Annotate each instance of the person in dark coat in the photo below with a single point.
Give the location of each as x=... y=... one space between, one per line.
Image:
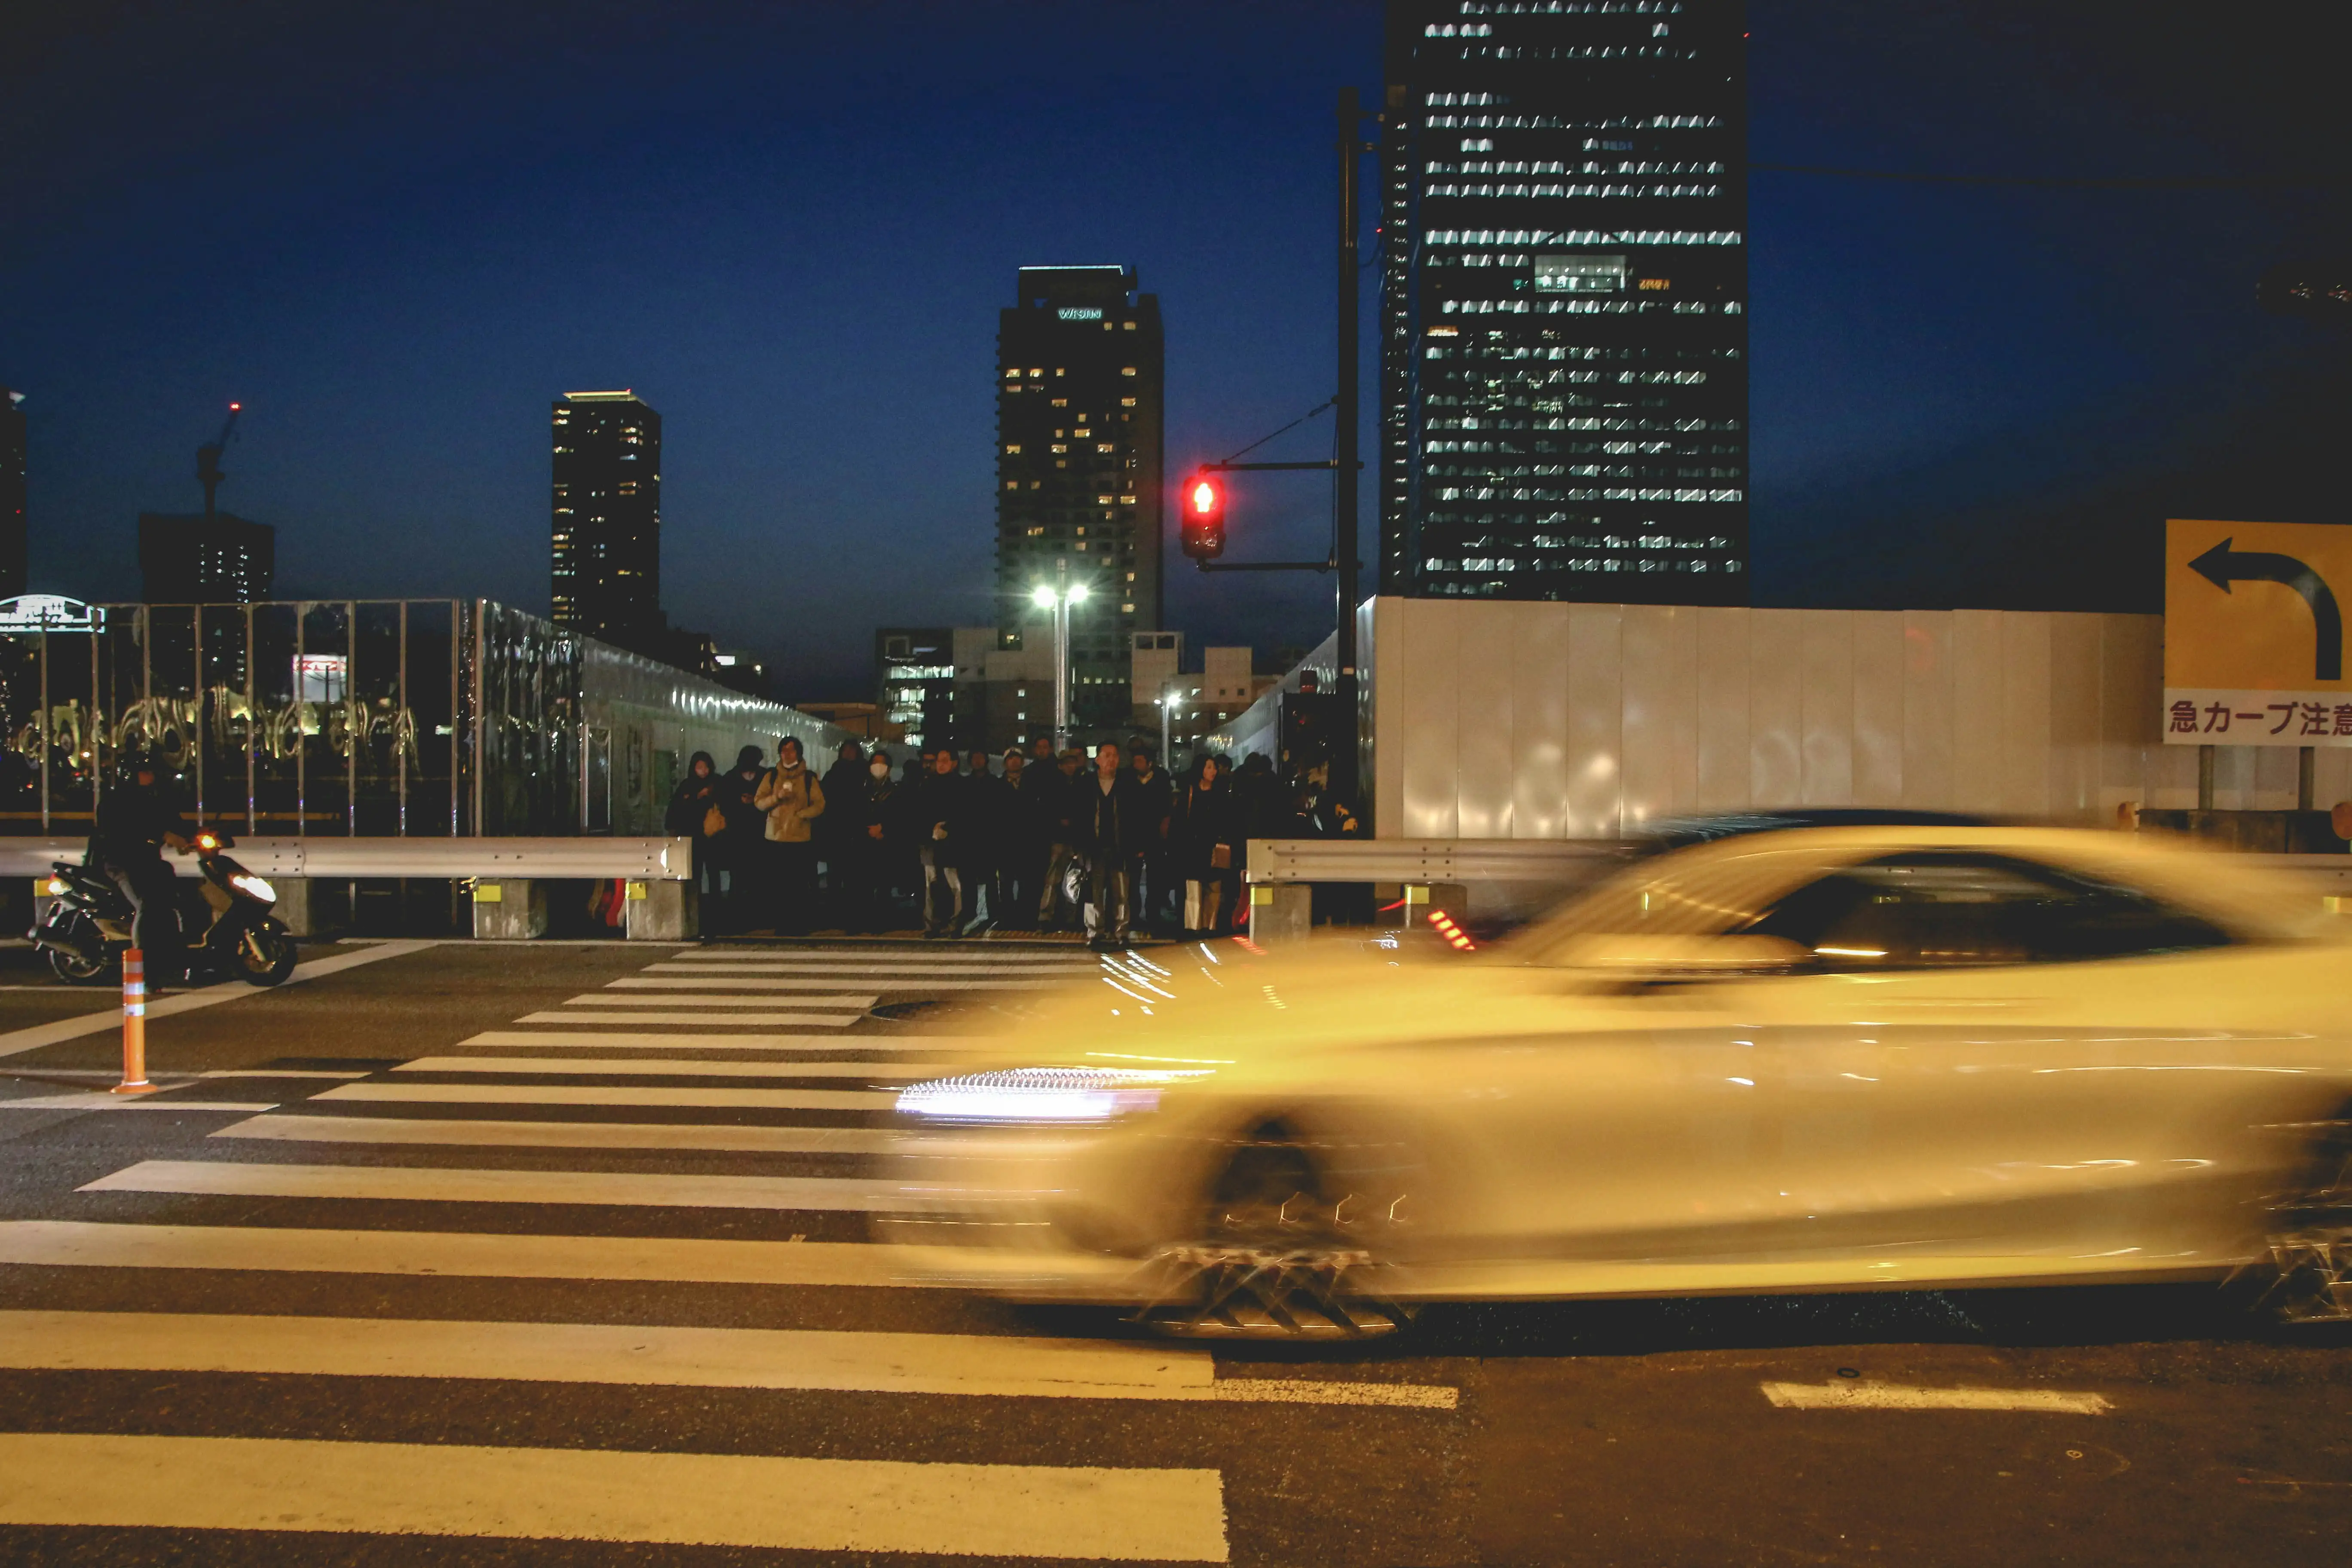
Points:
x=989 y=803
x=842 y=844
x=1020 y=853
x=937 y=817
x=689 y=816
x=739 y=848
x=1209 y=837
x=1110 y=833
x=885 y=846
x=1158 y=804
x=1057 y=801
x=136 y=821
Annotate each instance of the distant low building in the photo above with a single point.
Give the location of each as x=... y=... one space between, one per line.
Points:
x=188 y=558
x=863 y=719
x=741 y=672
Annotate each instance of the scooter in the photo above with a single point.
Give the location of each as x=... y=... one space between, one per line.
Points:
x=87 y=928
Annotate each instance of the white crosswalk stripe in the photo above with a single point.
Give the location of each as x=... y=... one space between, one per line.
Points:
x=778 y=1038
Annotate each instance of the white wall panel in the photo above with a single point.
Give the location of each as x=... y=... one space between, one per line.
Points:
x=1483 y=748
x=1776 y=707
x=2075 y=651
x=1431 y=677
x=1595 y=719
x=2025 y=714
x=1682 y=725
x=1657 y=703
x=1928 y=723
x=1825 y=742
x=1877 y=707
x=1976 y=700
x=1724 y=659
x=1538 y=720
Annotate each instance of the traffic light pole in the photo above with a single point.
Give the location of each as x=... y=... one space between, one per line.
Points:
x=1344 y=763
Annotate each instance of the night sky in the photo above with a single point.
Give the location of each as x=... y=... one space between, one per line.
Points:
x=396 y=231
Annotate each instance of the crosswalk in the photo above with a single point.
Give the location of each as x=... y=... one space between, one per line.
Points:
x=634 y=1159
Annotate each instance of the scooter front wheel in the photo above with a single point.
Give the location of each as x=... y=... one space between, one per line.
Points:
x=265 y=955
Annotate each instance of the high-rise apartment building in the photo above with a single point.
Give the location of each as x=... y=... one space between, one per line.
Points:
x=1078 y=490
x=607 y=532
x=1564 y=365
x=14 y=445
x=188 y=558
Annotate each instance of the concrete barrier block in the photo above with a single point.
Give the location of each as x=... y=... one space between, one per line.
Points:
x=510 y=907
x=1281 y=911
x=663 y=911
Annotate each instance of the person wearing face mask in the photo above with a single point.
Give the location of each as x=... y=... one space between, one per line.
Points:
x=882 y=846
x=793 y=799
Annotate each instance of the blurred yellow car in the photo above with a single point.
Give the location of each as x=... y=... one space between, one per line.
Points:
x=1829 y=1058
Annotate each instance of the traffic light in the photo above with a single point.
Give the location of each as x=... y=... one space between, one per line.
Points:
x=1204 y=517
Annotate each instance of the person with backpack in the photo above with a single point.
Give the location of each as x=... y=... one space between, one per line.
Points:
x=790 y=799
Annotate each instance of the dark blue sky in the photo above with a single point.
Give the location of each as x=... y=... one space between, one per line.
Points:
x=396 y=231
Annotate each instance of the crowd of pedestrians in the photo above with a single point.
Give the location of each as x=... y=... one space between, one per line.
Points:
x=1105 y=844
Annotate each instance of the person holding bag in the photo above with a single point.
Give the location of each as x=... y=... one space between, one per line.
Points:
x=695 y=813
x=1208 y=841
x=793 y=799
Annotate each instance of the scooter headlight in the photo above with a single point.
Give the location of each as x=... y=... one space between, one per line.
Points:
x=56 y=887
x=253 y=887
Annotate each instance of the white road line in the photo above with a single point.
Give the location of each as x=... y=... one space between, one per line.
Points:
x=650 y=1040
x=1850 y=1394
x=20 y=1041
x=587 y=1494
x=297 y=1129
x=715 y=1020
x=806 y=966
x=1072 y=954
x=747 y=984
x=621 y=1094
x=656 y=1067
x=831 y=1360
x=472 y=1255
x=403 y=1183
x=604 y=999
x=99 y=1100
x=276 y=1072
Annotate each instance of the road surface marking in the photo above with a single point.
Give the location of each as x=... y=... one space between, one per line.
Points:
x=20 y=1041
x=277 y=1072
x=590 y=1066
x=813 y=966
x=614 y=1094
x=1841 y=1393
x=297 y=1129
x=470 y=1255
x=586 y=1494
x=605 y=999
x=99 y=1100
x=829 y=1360
x=716 y=1020
x=651 y=1040
x=933 y=957
x=401 y=1184
x=748 y=984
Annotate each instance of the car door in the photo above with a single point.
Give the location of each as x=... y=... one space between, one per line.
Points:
x=1992 y=1060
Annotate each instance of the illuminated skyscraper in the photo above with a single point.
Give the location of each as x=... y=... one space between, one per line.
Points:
x=607 y=532
x=1564 y=366
x=1078 y=490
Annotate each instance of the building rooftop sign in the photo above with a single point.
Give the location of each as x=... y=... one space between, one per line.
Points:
x=49 y=613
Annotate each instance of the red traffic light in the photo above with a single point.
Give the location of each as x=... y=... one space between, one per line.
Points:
x=1203 y=517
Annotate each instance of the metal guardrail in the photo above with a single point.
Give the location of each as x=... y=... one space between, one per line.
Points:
x=637 y=859
x=1423 y=860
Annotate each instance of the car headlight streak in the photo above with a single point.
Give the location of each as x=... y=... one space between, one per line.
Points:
x=1062 y=1094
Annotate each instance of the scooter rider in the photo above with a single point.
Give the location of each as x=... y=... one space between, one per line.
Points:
x=136 y=820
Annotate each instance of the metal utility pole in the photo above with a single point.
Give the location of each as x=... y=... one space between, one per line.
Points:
x=1344 y=763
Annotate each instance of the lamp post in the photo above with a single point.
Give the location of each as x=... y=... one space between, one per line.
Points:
x=1059 y=600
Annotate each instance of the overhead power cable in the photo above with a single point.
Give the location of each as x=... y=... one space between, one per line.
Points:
x=1294 y=424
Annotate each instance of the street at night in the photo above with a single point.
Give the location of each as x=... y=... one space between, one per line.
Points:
x=448 y=1246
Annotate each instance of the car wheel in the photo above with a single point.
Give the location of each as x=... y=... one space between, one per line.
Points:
x=1283 y=1250
x=2305 y=1274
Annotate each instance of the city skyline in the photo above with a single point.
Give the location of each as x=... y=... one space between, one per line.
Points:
x=1947 y=375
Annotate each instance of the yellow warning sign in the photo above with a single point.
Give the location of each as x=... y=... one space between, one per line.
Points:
x=2254 y=634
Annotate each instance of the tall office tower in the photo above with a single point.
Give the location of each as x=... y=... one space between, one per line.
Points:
x=12 y=449
x=1079 y=493
x=1564 y=364
x=608 y=534
x=188 y=558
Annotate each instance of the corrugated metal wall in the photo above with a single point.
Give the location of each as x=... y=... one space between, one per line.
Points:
x=1511 y=720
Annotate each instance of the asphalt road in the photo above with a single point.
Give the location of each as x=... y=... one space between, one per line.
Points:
x=497 y=1254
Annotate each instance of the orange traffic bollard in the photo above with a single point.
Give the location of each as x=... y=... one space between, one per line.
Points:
x=134 y=1026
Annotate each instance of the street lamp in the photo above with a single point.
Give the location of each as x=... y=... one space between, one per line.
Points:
x=1059 y=600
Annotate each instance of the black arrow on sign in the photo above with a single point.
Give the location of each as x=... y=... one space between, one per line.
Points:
x=2223 y=566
